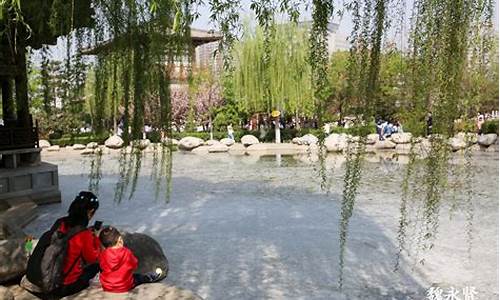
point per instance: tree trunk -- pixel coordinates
(7, 100)
(21, 80)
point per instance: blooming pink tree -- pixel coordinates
(205, 97)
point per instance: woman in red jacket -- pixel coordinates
(80, 263)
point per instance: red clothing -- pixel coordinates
(117, 269)
(84, 244)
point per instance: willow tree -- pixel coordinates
(288, 73)
(448, 39)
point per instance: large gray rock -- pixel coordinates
(153, 291)
(148, 251)
(401, 138)
(43, 144)
(248, 140)
(487, 140)
(189, 143)
(114, 142)
(5, 293)
(336, 142)
(228, 142)
(13, 259)
(92, 145)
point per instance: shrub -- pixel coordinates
(490, 126)
(77, 139)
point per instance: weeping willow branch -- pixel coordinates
(352, 179)
(95, 173)
(405, 194)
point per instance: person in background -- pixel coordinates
(230, 131)
(479, 123)
(429, 123)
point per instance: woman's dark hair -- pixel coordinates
(79, 208)
(109, 236)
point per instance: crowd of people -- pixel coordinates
(70, 254)
(386, 128)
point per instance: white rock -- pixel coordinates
(43, 144)
(92, 145)
(54, 148)
(5, 293)
(403, 148)
(78, 147)
(200, 149)
(471, 138)
(457, 144)
(189, 143)
(87, 151)
(114, 142)
(216, 148)
(487, 140)
(248, 140)
(385, 144)
(308, 139)
(336, 142)
(227, 142)
(401, 138)
(372, 139)
(211, 142)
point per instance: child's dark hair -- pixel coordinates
(109, 236)
(78, 210)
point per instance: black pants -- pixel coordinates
(81, 283)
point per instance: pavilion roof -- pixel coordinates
(198, 37)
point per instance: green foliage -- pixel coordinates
(288, 74)
(318, 55)
(68, 140)
(227, 114)
(490, 126)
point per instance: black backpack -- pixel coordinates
(45, 265)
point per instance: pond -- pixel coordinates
(250, 227)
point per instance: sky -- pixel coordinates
(345, 23)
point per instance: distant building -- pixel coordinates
(336, 40)
(204, 43)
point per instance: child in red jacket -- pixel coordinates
(118, 264)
